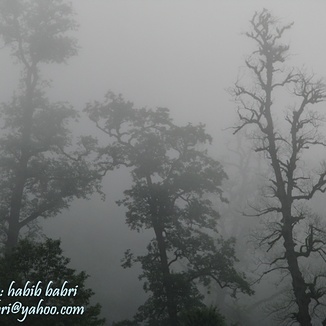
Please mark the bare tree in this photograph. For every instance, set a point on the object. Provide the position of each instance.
(285, 144)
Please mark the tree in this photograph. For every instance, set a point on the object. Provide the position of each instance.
(43, 262)
(285, 144)
(40, 175)
(173, 181)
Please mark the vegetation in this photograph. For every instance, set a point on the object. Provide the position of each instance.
(39, 175)
(285, 145)
(44, 262)
(173, 181)
(202, 316)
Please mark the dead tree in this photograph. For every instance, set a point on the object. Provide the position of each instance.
(285, 142)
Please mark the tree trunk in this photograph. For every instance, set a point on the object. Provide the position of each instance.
(15, 208)
(168, 285)
(22, 166)
(298, 283)
(167, 280)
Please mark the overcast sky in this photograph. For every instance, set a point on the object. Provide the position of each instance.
(179, 54)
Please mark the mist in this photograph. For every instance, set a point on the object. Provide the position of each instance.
(184, 56)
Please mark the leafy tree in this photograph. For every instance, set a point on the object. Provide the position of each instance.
(173, 181)
(39, 175)
(44, 262)
(285, 144)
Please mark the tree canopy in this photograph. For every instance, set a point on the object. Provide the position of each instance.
(36, 30)
(36, 262)
(174, 184)
(40, 173)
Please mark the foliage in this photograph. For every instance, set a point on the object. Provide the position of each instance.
(34, 262)
(207, 316)
(40, 174)
(174, 182)
(125, 323)
(285, 144)
(35, 30)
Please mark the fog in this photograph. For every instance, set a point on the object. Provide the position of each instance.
(182, 55)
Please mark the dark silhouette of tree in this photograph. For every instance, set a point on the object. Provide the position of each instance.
(285, 144)
(43, 262)
(40, 175)
(173, 181)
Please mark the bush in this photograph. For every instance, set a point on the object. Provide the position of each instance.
(31, 263)
(207, 316)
